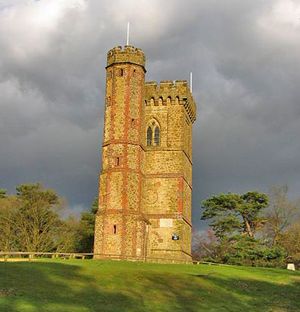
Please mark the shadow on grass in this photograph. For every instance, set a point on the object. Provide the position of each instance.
(213, 293)
(255, 295)
(38, 287)
(59, 287)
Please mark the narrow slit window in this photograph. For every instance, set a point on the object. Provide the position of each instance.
(149, 136)
(115, 229)
(156, 136)
(117, 161)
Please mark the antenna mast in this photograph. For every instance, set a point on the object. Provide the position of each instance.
(191, 82)
(127, 39)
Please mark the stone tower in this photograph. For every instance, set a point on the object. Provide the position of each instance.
(146, 176)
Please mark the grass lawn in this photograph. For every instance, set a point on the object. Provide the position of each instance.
(88, 285)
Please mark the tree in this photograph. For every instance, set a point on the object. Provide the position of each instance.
(8, 228)
(205, 246)
(68, 235)
(37, 222)
(280, 213)
(31, 221)
(235, 220)
(233, 214)
(2, 193)
(245, 250)
(290, 241)
(87, 229)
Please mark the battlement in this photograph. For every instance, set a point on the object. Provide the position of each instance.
(127, 54)
(169, 92)
(164, 84)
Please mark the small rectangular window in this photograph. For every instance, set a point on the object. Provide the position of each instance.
(115, 229)
(117, 161)
(133, 122)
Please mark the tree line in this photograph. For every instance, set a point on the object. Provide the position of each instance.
(32, 220)
(250, 229)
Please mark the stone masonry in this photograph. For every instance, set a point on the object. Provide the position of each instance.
(146, 177)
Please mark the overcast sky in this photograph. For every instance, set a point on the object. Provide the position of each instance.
(245, 59)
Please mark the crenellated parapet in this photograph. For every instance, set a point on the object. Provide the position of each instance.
(127, 54)
(169, 92)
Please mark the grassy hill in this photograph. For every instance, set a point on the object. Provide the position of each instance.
(87, 285)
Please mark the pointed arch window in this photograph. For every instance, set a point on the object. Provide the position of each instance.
(153, 133)
(149, 136)
(156, 136)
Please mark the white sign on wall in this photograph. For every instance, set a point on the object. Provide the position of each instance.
(166, 223)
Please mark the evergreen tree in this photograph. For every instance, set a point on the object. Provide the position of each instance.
(232, 214)
(85, 242)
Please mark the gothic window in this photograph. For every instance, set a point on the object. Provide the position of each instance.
(152, 101)
(149, 136)
(153, 133)
(177, 100)
(160, 101)
(168, 100)
(156, 136)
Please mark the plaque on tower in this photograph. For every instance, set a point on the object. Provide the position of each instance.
(165, 223)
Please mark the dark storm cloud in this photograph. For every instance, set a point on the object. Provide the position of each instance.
(246, 67)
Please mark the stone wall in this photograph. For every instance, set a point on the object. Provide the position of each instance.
(168, 169)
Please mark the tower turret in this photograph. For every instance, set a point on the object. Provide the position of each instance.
(119, 229)
(128, 54)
